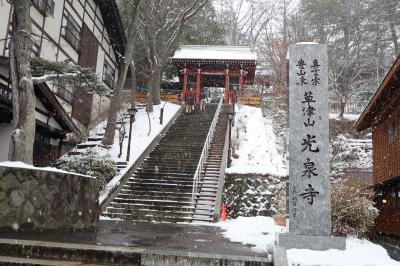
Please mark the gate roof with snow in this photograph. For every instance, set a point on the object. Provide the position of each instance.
(217, 53)
(202, 66)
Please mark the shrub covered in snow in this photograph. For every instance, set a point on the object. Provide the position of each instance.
(89, 163)
(252, 195)
(349, 152)
(352, 207)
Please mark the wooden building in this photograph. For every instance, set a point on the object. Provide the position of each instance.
(229, 67)
(382, 115)
(84, 32)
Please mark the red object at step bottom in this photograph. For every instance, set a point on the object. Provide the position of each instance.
(223, 213)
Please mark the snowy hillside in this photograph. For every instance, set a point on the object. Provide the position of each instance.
(255, 145)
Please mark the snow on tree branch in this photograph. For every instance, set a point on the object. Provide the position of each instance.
(68, 75)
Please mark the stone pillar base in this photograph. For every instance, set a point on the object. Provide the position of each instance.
(289, 241)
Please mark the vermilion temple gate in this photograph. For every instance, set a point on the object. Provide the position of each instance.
(230, 67)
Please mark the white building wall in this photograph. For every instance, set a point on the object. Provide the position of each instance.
(43, 118)
(73, 13)
(36, 16)
(5, 136)
(55, 48)
(100, 106)
(67, 106)
(72, 53)
(49, 50)
(89, 22)
(79, 8)
(100, 62)
(4, 16)
(53, 23)
(98, 34)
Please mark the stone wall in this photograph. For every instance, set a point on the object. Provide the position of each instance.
(43, 200)
(251, 194)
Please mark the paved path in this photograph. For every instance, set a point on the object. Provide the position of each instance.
(392, 245)
(169, 238)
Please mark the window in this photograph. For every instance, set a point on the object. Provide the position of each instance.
(50, 8)
(46, 7)
(40, 5)
(108, 74)
(8, 42)
(64, 94)
(35, 48)
(70, 30)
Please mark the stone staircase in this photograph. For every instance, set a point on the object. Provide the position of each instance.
(206, 197)
(94, 140)
(38, 252)
(161, 188)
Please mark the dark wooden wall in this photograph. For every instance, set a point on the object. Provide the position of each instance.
(82, 101)
(386, 156)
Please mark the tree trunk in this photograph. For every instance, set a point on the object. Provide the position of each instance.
(133, 98)
(150, 92)
(156, 86)
(394, 39)
(342, 107)
(115, 105)
(24, 101)
(123, 66)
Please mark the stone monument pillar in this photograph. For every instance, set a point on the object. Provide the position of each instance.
(309, 180)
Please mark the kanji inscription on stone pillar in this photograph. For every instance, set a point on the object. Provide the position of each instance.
(309, 182)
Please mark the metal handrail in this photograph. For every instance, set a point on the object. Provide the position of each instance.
(221, 178)
(204, 152)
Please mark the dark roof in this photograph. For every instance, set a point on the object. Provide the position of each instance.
(382, 100)
(112, 20)
(47, 98)
(388, 184)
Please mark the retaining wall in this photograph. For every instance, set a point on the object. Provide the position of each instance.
(44, 200)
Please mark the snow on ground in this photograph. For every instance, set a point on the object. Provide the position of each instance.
(140, 139)
(350, 117)
(358, 253)
(260, 232)
(257, 231)
(28, 166)
(258, 150)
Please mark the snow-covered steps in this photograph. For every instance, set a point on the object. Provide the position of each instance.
(95, 138)
(121, 165)
(161, 187)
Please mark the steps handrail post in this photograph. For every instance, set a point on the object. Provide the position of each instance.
(221, 178)
(204, 152)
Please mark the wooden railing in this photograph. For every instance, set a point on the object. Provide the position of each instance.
(167, 97)
(250, 100)
(204, 153)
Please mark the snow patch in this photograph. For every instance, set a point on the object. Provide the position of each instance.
(28, 166)
(349, 117)
(257, 231)
(358, 253)
(258, 149)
